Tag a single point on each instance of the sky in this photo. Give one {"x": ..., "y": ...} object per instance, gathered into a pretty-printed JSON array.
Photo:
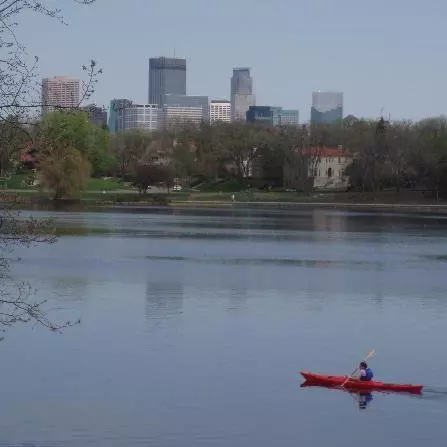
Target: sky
[{"x": 385, "y": 56}]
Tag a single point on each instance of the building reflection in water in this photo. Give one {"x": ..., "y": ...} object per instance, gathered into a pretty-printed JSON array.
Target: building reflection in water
[
  {"x": 69, "y": 289},
  {"x": 164, "y": 299},
  {"x": 329, "y": 221}
]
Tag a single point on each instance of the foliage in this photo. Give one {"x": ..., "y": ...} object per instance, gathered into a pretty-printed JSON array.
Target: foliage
[
  {"x": 128, "y": 149},
  {"x": 63, "y": 170},
  {"x": 13, "y": 139},
  {"x": 74, "y": 129},
  {"x": 19, "y": 98},
  {"x": 147, "y": 175}
]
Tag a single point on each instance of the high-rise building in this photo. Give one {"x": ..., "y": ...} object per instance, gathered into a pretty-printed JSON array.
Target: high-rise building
[
  {"x": 327, "y": 107},
  {"x": 116, "y": 112},
  {"x": 167, "y": 76},
  {"x": 125, "y": 115},
  {"x": 140, "y": 116},
  {"x": 220, "y": 110},
  {"x": 60, "y": 92},
  {"x": 97, "y": 115},
  {"x": 241, "y": 93},
  {"x": 183, "y": 109}
]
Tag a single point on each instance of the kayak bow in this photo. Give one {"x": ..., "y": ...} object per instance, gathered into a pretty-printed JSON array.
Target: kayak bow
[{"x": 353, "y": 384}]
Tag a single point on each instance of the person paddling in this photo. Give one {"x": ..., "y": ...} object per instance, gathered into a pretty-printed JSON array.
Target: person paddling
[{"x": 366, "y": 373}]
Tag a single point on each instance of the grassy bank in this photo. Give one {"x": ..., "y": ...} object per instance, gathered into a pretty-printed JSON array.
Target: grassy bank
[{"x": 388, "y": 200}]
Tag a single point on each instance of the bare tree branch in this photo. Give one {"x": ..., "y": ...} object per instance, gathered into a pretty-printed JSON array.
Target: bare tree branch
[{"x": 19, "y": 90}]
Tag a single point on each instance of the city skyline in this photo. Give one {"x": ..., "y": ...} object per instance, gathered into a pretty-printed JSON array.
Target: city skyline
[{"x": 376, "y": 70}]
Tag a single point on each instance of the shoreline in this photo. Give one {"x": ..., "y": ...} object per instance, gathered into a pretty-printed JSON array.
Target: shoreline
[
  {"x": 388, "y": 207},
  {"x": 382, "y": 202}
]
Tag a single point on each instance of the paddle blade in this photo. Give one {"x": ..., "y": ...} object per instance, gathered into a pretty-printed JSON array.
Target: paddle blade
[{"x": 370, "y": 354}]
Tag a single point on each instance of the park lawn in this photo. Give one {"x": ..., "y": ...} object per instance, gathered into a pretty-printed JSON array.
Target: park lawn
[
  {"x": 107, "y": 184},
  {"x": 22, "y": 180}
]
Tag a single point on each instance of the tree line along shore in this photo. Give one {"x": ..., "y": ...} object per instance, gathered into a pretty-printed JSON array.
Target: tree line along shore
[{"x": 66, "y": 158}]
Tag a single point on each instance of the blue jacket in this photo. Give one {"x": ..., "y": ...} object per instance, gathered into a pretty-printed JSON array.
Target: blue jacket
[{"x": 368, "y": 374}]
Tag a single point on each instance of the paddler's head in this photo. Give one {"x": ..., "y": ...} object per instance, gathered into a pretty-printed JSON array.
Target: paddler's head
[{"x": 363, "y": 365}]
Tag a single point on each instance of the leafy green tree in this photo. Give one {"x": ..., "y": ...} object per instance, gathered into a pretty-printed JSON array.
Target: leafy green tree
[
  {"x": 74, "y": 129},
  {"x": 63, "y": 170}
]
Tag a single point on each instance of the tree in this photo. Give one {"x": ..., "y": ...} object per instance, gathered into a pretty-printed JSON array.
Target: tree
[
  {"x": 17, "y": 102},
  {"x": 63, "y": 170},
  {"x": 73, "y": 128},
  {"x": 69, "y": 146},
  {"x": 400, "y": 144},
  {"x": 430, "y": 157},
  {"x": 17, "y": 77},
  {"x": 147, "y": 175},
  {"x": 13, "y": 139},
  {"x": 128, "y": 148}
]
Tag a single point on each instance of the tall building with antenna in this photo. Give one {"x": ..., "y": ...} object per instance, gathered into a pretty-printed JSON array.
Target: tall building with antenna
[{"x": 167, "y": 76}]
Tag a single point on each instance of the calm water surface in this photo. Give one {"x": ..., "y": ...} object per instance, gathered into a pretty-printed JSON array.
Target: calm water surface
[{"x": 195, "y": 324}]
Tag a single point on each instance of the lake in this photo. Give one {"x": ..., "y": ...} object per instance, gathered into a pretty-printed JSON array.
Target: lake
[{"x": 195, "y": 324}]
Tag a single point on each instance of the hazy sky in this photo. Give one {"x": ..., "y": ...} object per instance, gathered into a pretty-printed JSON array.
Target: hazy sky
[{"x": 385, "y": 53}]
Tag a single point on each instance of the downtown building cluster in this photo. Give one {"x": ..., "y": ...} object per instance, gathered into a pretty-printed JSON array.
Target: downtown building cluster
[{"x": 169, "y": 104}]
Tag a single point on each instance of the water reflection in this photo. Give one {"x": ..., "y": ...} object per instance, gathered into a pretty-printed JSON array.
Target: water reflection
[
  {"x": 322, "y": 221},
  {"x": 364, "y": 399},
  {"x": 196, "y": 320},
  {"x": 69, "y": 289},
  {"x": 164, "y": 299},
  {"x": 316, "y": 263}
]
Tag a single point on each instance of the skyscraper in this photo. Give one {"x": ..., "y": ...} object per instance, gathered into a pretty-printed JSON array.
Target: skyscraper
[
  {"x": 167, "y": 76},
  {"x": 60, "y": 92},
  {"x": 327, "y": 107},
  {"x": 241, "y": 93}
]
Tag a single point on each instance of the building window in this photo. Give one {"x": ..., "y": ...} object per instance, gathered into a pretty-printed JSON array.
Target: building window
[{"x": 329, "y": 172}]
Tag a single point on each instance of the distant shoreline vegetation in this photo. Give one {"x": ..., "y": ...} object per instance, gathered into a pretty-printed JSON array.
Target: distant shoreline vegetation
[{"x": 70, "y": 159}]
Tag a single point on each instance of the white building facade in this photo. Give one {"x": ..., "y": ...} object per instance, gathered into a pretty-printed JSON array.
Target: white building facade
[
  {"x": 220, "y": 111},
  {"x": 138, "y": 116},
  {"x": 328, "y": 168}
]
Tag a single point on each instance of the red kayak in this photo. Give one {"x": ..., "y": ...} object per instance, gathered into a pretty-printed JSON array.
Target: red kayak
[{"x": 353, "y": 384}]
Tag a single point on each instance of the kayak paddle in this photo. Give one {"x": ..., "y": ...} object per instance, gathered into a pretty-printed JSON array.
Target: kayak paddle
[{"x": 355, "y": 370}]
